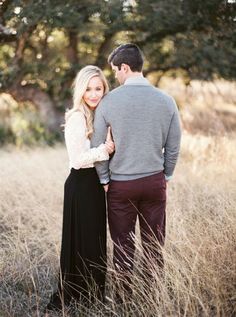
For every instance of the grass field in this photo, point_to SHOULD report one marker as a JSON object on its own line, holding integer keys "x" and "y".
{"x": 200, "y": 250}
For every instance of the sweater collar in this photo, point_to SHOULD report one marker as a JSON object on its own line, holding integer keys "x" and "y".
{"x": 138, "y": 80}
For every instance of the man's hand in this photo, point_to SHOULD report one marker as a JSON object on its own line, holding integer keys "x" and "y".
{"x": 106, "y": 187}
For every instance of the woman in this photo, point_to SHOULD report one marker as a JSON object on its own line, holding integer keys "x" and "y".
{"x": 83, "y": 250}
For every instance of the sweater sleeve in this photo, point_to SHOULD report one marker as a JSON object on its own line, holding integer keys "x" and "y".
{"x": 172, "y": 146}
{"x": 76, "y": 143}
{"x": 99, "y": 135}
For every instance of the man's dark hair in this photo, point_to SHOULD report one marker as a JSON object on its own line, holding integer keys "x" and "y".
{"x": 129, "y": 54}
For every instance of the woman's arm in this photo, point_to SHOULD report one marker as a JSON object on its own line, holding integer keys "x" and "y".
{"x": 75, "y": 137}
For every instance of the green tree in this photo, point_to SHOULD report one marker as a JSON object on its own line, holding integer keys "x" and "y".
{"x": 198, "y": 37}
{"x": 45, "y": 42}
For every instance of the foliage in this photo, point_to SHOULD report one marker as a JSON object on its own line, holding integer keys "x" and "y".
{"x": 21, "y": 125}
{"x": 44, "y": 43}
{"x": 196, "y": 36}
{"x": 26, "y": 129}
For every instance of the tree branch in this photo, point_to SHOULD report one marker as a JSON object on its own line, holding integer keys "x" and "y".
{"x": 101, "y": 60}
{"x": 3, "y": 7}
{"x": 6, "y": 34}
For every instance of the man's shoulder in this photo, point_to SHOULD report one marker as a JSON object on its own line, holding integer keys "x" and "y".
{"x": 111, "y": 96}
{"x": 163, "y": 94}
{"x": 165, "y": 98}
{"x": 114, "y": 92}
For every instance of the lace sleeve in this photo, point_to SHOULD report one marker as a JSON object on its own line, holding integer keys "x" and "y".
{"x": 76, "y": 143}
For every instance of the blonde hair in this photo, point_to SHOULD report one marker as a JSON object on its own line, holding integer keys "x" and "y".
{"x": 79, "y": 88}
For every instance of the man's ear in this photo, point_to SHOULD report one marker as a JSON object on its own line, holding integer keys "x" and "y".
{"x": 125, "y": 67}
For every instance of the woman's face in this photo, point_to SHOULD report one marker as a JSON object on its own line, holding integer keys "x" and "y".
{"x": 94, "y": 92}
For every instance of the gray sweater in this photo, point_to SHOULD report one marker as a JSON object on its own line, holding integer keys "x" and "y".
{"x": 146, "y": 131}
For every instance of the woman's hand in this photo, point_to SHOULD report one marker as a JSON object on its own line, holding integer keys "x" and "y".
{"x": 110, "y": 145}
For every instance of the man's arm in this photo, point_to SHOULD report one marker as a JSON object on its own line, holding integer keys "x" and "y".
{"x": 99, "y": 136}
{"x": 172, "y": 146}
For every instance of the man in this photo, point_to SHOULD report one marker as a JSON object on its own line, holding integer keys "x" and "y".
{"x": 146, "y": 131}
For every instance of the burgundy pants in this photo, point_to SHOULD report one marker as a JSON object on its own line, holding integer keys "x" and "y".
{"x": 144, "y": 198}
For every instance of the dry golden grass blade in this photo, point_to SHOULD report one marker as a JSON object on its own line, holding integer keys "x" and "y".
{"x": 200, "y": 251}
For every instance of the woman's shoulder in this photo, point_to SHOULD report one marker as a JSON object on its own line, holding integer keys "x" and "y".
{"x": 75, "y": 120}
{"x": 76, "y": 116}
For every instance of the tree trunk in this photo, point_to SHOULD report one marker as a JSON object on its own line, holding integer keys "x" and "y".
{"x": 45, "y": 106}
{"x": 103, "y": 51}
{"x": 71, "y": 51}
{"x": 72, "y": 57}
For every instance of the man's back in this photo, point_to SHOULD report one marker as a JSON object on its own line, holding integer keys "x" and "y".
{"x": 146, "y": 130}
{"x": 144, "y": 121}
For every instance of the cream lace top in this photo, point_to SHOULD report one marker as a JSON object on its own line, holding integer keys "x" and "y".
{"x": 78, "y": 145}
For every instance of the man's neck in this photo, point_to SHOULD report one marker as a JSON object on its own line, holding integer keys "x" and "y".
{"x": 135, "y": 74}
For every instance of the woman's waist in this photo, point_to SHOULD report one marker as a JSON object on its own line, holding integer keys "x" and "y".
{"x": 83, "y": 171}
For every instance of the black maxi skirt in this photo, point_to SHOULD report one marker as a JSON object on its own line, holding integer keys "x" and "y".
{"x": 83, "y": 248}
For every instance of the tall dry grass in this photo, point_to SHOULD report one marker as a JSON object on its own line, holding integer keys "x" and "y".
{"x": 200, "y": 250}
